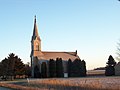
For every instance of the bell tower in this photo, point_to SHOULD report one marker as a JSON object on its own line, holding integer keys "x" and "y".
{"x": 35, "y": 46}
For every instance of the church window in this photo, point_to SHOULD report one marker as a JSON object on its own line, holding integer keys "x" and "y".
{"x": 37, "y": 46}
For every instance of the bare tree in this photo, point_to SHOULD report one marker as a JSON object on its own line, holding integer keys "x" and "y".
{"x": 118, "y": 51}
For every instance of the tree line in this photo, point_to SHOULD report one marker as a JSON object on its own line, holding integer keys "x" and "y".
{"x": 12, "y": 66}
{"x": 76, "y": 68}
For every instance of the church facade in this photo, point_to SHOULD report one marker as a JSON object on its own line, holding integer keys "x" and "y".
{"x": 38, "y": 56}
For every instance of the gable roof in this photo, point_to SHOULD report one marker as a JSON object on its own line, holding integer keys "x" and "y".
{"x": 53, "y": 55}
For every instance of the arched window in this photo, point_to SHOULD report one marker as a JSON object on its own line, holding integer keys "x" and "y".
{"x": 37, "y": 47}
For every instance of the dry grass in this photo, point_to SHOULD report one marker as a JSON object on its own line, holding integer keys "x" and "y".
{"x": 18, "y": 87}
{"x": 87, "y": 83}
{"x": 102, "y": 83}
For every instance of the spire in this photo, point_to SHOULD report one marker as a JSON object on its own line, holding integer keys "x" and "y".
{"x": 35, "y": 18}
{"x": 35, "y": 30}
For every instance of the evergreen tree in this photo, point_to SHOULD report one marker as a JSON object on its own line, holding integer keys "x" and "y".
{"x": 4, "y": 68}
{"x": 109, "y": 71}
{"x": 76, "y": 68}
{"x": 19, "y": 67}
{"x": 12, "y": 66}
{"x": 111, "y": 61}
{"x": 52, "y": 68}
{"x": 44, "y": 70}
{"x": 1, "y": 69}
{"x": 69, "y": 68}
{"x": 27, "y": 70}
{"x": 83, "y": 68}
{"x": 59, "y": 67}
{"x": 110, "y": 66}
{"x": 36, "y": 72}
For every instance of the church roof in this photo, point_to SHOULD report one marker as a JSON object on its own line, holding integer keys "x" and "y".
{"x": 53, "y": 55}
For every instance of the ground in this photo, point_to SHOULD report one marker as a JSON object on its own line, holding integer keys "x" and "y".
{"x": 3, "y": 88}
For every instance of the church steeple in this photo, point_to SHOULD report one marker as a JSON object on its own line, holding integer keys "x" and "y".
{"x": 35, "y": 31}
{"x": 36, "y": 41}
{"x": 35, "y": 47}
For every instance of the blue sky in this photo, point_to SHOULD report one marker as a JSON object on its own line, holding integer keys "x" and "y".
{"x": 90, "y": 26}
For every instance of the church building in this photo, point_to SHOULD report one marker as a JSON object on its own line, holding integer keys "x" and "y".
{"x": 38, "y": 56}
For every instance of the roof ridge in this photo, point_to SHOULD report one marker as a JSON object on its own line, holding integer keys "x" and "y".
{"x": 70, "y": 53}
{"x": 59, "y": 51}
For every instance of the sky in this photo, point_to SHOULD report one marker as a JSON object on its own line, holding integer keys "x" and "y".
{"x": 92, "y": 27}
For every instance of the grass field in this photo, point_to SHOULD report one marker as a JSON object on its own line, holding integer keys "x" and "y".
{"x": 85, "y": 83}
{"x": 96, "y": 72}
{"x": 89, "y": 83}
